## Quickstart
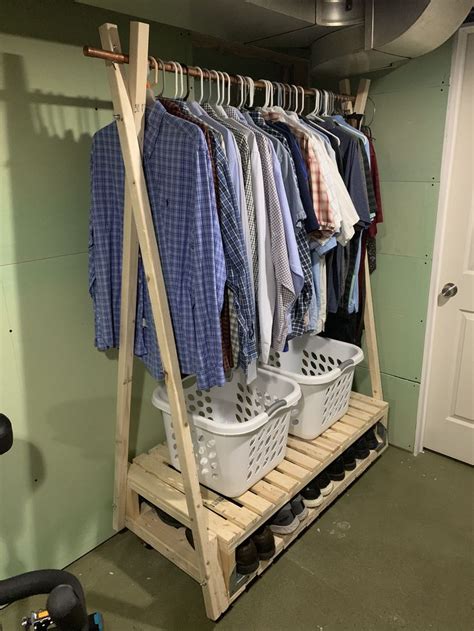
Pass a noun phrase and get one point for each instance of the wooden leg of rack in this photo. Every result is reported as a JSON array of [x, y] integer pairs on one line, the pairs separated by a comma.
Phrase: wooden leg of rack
[[211, 576], [345, 88], [132, 504], [136, 89], [215, 593], [371, 338]]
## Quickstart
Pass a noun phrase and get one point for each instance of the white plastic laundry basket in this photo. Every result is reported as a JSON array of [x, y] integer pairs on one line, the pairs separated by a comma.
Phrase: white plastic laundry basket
[[324, 368], [239, 431]]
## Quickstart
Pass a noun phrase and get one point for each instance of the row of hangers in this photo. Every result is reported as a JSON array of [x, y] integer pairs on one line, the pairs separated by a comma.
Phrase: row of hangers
[[290, 98]]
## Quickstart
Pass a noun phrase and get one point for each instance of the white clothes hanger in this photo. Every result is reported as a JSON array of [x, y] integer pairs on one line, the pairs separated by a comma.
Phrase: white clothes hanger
[[150, 94], [251, 90], [301, 110], [226, 75], [242, 91], [175, 69], [313, 118], [201, 78]]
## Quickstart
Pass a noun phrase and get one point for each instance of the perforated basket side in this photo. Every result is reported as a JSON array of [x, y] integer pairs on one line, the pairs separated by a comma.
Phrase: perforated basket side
[[336, 398]]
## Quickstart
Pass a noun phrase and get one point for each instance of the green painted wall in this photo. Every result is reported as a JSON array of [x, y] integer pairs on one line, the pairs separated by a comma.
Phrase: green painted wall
[[408, 125], [56, 483]]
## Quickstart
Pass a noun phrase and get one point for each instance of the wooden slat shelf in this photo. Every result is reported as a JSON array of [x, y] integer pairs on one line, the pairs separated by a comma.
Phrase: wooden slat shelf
[[231, 521], [283, 541]]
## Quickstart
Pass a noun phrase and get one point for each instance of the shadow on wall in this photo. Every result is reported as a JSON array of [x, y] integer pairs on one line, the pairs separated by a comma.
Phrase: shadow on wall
[[56, 483]]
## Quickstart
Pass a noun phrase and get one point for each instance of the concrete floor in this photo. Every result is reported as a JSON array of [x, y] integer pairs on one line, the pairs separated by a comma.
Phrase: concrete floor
[[394, 552]]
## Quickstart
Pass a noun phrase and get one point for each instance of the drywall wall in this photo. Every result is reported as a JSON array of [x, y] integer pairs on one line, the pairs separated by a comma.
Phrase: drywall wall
[[56, 482], [408, 125]]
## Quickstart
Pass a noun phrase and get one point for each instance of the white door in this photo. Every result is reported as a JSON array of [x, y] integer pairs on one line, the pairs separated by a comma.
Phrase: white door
[[447, 406]]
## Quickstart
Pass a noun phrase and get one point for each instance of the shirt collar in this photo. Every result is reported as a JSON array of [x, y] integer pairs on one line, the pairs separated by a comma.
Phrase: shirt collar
[[153, 118]]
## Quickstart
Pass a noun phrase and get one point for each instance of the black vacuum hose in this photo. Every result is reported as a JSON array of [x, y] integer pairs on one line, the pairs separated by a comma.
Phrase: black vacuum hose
[[66, 602]]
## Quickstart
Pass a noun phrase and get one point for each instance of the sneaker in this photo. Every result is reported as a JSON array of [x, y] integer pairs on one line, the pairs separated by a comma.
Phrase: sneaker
[[325, 484], [312, 497], [371, 439], [264, 542], [361, 449], [284, 522], [298, 507], [246, 557], [336, 470], [349, 459]]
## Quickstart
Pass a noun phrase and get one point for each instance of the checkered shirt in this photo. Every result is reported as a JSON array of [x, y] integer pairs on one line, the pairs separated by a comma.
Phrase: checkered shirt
[[179, 179], [318, 185]]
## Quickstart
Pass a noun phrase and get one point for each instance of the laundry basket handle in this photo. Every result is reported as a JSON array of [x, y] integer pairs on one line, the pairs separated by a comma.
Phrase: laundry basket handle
[[346, 364], [275, 406]]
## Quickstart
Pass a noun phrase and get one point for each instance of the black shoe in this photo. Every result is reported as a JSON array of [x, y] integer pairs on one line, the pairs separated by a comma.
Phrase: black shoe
[[312, 497], [167, 519], [324, 482], [349, 459], [336, 470], [361, 449], [298, 507], [189, 537], [246, 557], [264, 542], [371, 439]]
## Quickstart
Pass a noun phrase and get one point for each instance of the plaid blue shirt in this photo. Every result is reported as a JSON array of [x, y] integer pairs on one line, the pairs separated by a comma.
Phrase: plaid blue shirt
[[180, 187], [238, 272]]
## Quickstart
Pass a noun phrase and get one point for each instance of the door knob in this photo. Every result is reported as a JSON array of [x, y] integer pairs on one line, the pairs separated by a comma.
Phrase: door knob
[[449, 290]]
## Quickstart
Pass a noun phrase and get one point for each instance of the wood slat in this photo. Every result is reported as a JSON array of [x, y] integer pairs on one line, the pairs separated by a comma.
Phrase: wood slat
[[329, 445], [332, 434], [342, 428], [301, 459], [292, 470], [238, 515], [168, 541], [353, 422], [359, 414], [158, 493], [377, 403], [365, 407], [307, 448], [255, 502], [173, 502], [268, 491], [281, 481]]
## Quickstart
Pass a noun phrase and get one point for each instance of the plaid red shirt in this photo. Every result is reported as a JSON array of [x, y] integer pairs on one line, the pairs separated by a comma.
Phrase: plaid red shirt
[[321, 204]]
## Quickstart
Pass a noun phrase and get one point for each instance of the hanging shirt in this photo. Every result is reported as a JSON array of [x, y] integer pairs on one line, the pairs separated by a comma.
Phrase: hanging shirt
[[264, 276], [179, 179], [354, 176], [311, 221], [285, 291], [238, 273], [318, 185], [299, 315]]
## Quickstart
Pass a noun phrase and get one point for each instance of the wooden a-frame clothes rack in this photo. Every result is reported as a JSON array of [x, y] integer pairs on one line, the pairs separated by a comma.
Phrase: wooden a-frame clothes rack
[[218, 525]]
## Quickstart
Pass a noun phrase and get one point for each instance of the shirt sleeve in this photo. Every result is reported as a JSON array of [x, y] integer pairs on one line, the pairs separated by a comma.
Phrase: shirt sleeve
[[208, 275]]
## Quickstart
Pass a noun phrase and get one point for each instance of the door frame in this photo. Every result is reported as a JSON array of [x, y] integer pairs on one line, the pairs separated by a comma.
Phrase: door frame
[[452, 112]]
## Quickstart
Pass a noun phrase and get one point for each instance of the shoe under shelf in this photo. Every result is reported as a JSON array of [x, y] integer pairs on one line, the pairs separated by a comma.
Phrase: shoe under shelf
[[231, 521]]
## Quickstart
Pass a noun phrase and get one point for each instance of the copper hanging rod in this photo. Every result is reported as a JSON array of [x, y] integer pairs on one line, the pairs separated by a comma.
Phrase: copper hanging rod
[[120, 58]]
